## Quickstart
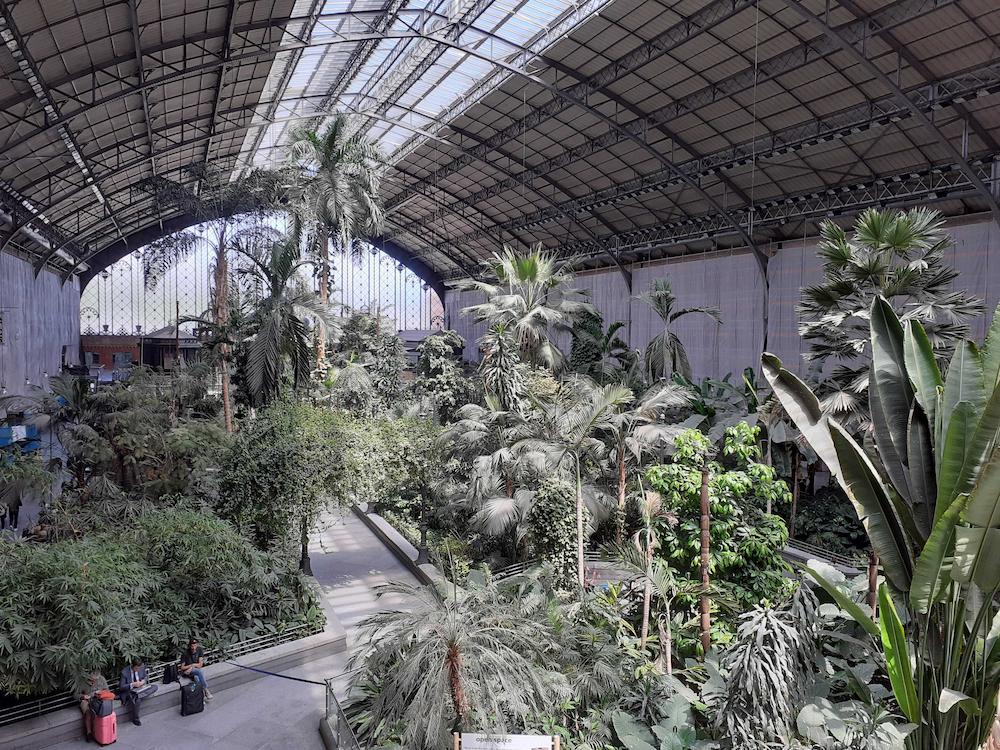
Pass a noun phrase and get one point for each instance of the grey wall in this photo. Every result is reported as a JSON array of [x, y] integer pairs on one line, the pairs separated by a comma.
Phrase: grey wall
[[40, 317], [732, 282]]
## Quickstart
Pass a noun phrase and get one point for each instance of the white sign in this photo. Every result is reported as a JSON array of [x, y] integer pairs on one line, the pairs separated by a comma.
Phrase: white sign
[[506, 742]]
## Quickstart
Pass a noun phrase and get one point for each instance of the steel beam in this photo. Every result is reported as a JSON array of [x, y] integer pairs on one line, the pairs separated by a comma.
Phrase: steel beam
[[284, 79], [894, 15], [422, 56], [848, 46], [929, 97], [220, 80], [936, 183]]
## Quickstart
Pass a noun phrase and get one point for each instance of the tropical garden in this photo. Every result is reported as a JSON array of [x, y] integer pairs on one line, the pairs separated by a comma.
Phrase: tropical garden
[[610, 527]]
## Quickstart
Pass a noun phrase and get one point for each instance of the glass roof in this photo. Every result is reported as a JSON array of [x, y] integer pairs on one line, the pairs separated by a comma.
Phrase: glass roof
[[372, 77]]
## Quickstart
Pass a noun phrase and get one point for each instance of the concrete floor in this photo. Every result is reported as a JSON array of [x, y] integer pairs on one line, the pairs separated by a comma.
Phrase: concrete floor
[[270, 713]]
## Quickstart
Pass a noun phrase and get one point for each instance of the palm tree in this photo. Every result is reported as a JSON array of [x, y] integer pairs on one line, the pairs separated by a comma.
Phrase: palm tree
[[610, 357], [637, 427], [340, 174], [665, 354], [219, 202], [279, 323], [451, 661], [564, 431], [639, 560], [530, 296], [899, 256]]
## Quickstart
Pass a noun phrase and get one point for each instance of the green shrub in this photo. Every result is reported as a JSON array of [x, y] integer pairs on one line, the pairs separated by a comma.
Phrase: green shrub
[[75, 606], [746, 543], [552, 524]]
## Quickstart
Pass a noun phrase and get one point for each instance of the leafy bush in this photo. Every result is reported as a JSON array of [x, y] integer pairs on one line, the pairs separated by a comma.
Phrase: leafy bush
[[440, 374], [74, 606], [745, 549], [552, 524], [276, 473]]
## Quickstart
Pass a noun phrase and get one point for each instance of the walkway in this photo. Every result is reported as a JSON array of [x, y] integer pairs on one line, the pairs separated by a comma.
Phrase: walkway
[[348, 562]]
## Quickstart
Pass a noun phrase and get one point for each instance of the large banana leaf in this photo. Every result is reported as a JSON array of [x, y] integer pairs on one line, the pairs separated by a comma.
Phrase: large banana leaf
[[964, 382], [991, 353], [951, 454], [922, 368], [931, 573], [897, 657], [920, 456], [874, 507], [845, 603], [890, 393], [803, 408], [980, 444], [977, 541]]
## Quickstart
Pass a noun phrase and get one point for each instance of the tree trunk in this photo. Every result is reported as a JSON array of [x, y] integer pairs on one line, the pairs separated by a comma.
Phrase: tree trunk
[[668, 640], [323, 241], [795, 494], [873, 581], [620, 521], [706, 617], [647, 589], [304, 563], [454, 659], [581, 568], [222, 321]]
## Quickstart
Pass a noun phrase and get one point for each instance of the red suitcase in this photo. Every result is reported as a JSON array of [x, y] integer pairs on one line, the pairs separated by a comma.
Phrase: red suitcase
[[106, 728]]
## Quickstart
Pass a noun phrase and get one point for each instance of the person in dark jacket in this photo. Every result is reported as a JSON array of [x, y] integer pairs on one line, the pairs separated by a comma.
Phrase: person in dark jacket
[[192, 662], [134, 687]]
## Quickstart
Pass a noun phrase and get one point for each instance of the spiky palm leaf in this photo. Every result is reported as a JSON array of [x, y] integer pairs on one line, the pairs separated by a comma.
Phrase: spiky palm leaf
[[665, 354], [899, 255], [531, 296]]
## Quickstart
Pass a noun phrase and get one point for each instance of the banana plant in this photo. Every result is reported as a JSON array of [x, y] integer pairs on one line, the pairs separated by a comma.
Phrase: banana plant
[[928, 493]]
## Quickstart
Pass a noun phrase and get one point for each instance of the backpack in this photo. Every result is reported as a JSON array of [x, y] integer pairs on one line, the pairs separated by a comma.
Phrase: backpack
[[101, 706], [170, 674]]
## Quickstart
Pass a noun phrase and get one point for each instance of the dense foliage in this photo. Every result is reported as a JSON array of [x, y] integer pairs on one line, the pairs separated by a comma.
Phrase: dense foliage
[[135, 586], [746, 543]]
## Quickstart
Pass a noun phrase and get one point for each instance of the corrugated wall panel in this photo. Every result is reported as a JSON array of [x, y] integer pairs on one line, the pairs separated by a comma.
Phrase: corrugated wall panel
[[732, 282], [41, 316]]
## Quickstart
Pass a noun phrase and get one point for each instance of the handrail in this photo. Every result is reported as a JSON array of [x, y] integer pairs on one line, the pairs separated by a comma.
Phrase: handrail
[[29, 708], [845, 563], [336, 720]]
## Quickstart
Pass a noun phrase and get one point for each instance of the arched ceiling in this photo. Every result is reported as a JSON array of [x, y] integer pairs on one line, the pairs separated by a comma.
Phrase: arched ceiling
[[614, 130]]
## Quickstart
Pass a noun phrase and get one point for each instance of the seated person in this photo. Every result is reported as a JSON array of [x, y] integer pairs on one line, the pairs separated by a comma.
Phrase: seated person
[[93, 684], [134, 686], [191, 665]]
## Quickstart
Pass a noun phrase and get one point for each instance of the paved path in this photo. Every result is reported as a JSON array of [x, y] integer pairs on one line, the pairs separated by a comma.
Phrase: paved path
[[348, 562]]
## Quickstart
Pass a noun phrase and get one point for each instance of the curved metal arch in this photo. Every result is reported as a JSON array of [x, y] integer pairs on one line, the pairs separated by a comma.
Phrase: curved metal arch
[[922, 118], [610, 122], [178, 223], [180, 146]]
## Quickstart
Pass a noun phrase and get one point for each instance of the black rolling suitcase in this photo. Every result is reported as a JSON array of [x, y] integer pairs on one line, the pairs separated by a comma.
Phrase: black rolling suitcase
[[192, 699]]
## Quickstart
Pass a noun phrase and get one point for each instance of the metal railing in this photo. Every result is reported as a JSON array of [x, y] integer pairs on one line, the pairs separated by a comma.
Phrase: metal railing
[[28, 708], [336, 720]]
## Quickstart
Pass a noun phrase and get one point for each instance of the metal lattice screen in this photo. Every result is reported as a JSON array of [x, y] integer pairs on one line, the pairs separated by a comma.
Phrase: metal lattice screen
[[119, 302]]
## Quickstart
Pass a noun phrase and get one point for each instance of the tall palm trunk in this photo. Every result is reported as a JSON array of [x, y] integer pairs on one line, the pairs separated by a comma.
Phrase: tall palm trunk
[[580, 565], [706, 617], [454, 661], [221, 321], [620, 521], [323, 241], [647, 590]]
